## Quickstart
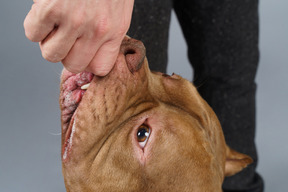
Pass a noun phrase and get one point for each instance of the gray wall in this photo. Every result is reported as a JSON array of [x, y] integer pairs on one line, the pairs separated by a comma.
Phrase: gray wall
[[29, 113]]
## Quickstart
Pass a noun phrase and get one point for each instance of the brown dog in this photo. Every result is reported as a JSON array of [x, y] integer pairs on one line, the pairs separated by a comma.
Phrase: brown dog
[[136, 130]]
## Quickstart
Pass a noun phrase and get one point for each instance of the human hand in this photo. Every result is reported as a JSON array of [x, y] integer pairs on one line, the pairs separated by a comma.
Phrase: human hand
[[83, 34]]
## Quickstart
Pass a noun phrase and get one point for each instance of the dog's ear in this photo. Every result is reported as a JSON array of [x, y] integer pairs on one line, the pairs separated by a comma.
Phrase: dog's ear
[[235, 161]]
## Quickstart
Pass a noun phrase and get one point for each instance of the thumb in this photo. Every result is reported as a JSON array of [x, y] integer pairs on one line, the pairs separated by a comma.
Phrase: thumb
[[104, 59]]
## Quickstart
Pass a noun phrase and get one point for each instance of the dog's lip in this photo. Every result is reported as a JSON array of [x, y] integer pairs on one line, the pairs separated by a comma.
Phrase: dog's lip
[[71, 93], [73, 87], [68, 138]]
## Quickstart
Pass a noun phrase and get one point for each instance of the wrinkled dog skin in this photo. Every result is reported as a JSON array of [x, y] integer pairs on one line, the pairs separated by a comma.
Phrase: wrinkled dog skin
[[137, 130]]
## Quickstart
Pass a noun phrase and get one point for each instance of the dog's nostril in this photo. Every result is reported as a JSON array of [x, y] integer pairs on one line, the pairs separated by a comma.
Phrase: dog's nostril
[[129, 52], [134, 52]]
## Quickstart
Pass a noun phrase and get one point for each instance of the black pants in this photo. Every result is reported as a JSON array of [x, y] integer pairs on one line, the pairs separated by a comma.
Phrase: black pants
[[222, 39]]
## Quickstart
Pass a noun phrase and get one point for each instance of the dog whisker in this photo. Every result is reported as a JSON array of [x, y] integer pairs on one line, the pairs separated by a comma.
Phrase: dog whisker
[[201, 82], [55, 134]]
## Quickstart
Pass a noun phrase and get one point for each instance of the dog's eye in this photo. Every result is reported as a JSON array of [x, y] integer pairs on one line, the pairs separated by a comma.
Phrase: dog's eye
[[143, 134]]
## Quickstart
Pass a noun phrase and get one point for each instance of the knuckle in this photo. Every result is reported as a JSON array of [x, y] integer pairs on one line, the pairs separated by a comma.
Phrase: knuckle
[[102, 27], [77, 22], [33, 35], [30, 31], [101, 72], [50, 56], [49, 13], [123, 28], [72, 68], [30, 35]]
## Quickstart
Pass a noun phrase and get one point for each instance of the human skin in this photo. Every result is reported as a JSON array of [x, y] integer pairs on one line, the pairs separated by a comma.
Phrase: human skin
[[85, 35]]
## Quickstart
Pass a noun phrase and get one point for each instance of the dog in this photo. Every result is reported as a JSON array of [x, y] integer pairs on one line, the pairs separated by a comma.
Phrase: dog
[[142, 131]]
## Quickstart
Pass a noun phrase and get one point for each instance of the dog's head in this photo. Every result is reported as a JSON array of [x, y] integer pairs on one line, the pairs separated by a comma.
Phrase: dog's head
[[137, 130]]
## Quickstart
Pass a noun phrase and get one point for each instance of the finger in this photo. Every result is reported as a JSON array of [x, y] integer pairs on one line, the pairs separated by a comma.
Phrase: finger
[[58, 43], [105, 58], [39, 22], [81, 54]]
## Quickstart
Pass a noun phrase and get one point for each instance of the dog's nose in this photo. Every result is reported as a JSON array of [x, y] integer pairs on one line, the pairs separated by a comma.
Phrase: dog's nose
[[134, 52]]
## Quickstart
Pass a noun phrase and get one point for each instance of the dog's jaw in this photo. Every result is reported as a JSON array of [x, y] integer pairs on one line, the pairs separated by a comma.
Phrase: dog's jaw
[[73, 87]]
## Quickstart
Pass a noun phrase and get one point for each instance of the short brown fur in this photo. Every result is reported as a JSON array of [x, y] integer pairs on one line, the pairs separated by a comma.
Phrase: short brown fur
[[185, 152]]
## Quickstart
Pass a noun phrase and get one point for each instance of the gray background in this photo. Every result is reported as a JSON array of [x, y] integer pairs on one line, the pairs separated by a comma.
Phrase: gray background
[[30, 119]]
